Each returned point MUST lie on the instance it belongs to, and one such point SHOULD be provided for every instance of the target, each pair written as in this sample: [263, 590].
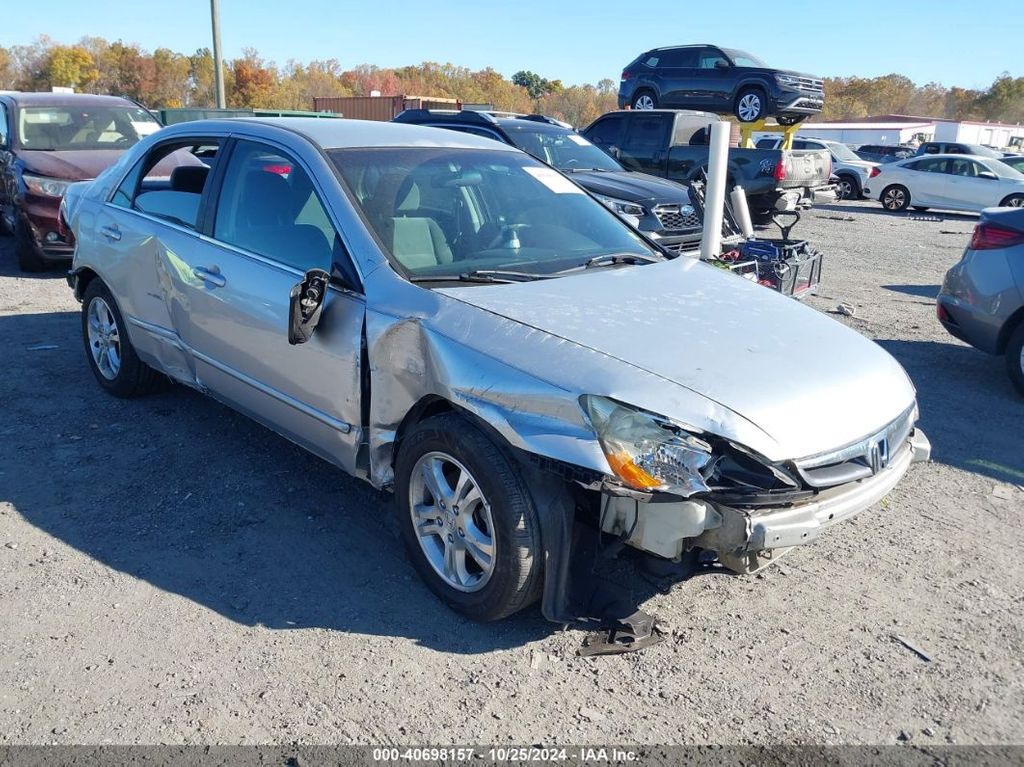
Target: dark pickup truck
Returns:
[673, 144]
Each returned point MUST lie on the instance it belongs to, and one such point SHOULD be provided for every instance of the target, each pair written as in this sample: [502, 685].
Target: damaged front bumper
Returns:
[748, 539]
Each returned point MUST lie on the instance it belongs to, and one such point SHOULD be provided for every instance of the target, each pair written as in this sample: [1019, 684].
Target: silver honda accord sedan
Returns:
[456, 322]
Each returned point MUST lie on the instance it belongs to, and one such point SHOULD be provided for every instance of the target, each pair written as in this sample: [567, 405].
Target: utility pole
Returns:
[218, 64]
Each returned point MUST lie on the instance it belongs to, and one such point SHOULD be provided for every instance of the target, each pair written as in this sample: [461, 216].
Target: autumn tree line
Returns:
[166, 78]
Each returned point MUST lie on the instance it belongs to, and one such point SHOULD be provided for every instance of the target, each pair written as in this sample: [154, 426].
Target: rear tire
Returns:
[751, 105]
[443, 452]
[895, 198]
[848, 188]
[108, 349]
[1015, 359]
[1013, 201]
[30, 259]
[644, 100]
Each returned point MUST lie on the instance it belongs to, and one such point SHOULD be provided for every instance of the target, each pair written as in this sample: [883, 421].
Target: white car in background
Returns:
[948, 181]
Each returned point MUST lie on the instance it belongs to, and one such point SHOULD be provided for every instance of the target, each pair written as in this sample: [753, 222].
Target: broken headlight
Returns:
[648, 452]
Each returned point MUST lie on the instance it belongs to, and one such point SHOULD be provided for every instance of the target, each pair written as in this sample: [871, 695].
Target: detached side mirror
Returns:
[987, 174]
[305, 303]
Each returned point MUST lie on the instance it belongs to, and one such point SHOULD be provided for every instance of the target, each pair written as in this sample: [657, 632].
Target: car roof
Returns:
[949, 155]
[47, 99]
[344, 133]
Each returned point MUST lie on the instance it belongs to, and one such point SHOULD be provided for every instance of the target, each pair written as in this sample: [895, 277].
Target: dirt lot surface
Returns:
[171, 572]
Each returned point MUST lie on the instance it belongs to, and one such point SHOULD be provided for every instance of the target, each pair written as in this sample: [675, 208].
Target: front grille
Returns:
[810, 85]
[861, 459]
[677, 217]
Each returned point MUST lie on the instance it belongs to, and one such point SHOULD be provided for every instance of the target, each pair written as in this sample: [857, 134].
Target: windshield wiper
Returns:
[585, 170]
[481, 275]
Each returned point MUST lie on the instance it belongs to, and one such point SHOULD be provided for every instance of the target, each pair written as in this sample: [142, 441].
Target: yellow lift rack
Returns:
[747, 131]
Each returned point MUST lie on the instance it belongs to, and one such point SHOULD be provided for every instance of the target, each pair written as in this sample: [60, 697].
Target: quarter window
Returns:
[268, 206]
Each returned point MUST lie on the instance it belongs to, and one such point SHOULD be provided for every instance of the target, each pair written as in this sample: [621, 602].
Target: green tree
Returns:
[71, 67]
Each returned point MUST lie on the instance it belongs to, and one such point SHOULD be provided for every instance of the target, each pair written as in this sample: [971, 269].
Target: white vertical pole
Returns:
[741, 211]
[218, 63]
[714, 195]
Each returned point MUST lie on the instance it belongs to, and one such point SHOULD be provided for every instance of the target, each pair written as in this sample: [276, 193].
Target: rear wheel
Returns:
[30, 259]
[645, 100]
[895, 198]
[109, 350]
[751, 105]
[1013, 201]
[467, 519]
[1015, 358]
[848, 188]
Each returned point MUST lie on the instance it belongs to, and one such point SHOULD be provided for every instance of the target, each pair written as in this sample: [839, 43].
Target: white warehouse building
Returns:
[906, 129]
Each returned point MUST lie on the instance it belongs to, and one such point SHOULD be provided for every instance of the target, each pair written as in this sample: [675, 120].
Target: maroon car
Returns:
[48, 141]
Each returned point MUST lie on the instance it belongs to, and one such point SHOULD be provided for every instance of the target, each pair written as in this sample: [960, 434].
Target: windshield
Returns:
[743, 59]
[564, 150]
[982, 151]
[59, 128]
[843, 152]
[445, 212]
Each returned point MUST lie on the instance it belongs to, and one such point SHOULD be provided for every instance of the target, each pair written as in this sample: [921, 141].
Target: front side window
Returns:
[566, 150]
[442, 212]
[710, 58]
[62, 128]
[841, 152]
[169, 182]
[268, 206]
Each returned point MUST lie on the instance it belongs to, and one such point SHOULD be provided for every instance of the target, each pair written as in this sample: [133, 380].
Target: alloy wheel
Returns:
[894, 199]
[644, 102]
[845, 189]
[749, 108]
[104, 338]
[452, 520]
[1015, 202]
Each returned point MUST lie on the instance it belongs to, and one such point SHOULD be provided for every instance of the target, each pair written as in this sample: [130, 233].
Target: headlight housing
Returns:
[786, 79]
[648, 452]
[47, 187]
[626, 209]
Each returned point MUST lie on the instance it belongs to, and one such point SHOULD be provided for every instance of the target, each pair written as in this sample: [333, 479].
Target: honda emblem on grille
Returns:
[878, 455]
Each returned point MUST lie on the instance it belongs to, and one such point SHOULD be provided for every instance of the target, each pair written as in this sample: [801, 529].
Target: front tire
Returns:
[467, 519]
[1013, 201]
[1015, 359]
[30, 259]
[751, 105]
[787, 120]
[108, 349]
[645, 100]
[895, 198]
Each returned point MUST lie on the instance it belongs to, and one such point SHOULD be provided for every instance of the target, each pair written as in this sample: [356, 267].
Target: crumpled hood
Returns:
[71, 165]
[632, 187]
[807, 381]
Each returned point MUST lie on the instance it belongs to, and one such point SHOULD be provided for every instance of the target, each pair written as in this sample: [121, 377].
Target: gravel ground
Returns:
[170, 572]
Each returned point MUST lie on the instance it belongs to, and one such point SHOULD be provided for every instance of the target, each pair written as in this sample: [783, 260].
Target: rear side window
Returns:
[169, 182]
[606, 132]
[3, 125]
[679, 57]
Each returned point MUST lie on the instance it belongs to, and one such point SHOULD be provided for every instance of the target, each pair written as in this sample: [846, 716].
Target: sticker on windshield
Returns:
[578, 140]
[554, 180]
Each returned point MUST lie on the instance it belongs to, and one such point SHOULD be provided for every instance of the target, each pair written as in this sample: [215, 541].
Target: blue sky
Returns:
[572, 41]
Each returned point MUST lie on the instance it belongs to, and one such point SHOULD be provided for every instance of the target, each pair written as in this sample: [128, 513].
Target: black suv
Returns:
[883, 152]
[661, 209]
[720, 80]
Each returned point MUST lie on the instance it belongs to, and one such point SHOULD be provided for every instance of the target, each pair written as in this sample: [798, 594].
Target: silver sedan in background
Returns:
[459, 323]
[946, 181]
